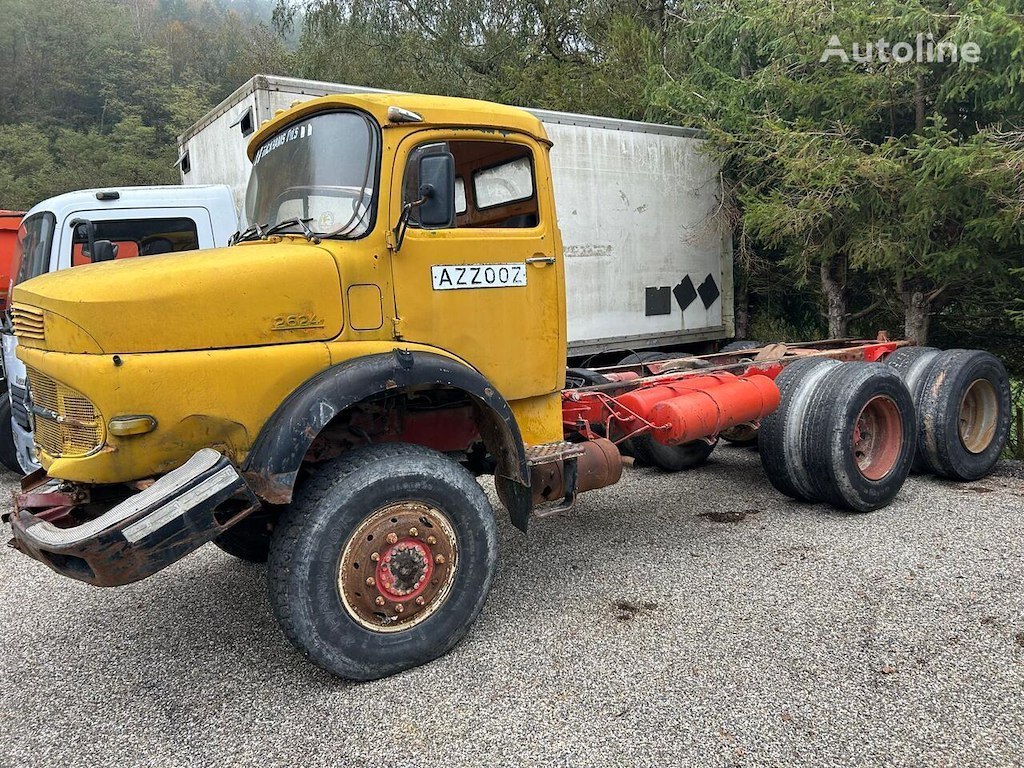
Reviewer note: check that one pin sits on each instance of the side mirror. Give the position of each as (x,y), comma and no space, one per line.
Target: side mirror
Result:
(437,190)
(102,250)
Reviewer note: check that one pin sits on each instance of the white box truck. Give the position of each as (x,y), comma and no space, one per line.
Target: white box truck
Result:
(91,225)
(648,258)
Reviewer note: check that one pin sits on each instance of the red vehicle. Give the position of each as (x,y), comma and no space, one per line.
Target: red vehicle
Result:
(9,223)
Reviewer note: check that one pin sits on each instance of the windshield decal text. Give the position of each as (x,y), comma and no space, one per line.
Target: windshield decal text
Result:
(301,131)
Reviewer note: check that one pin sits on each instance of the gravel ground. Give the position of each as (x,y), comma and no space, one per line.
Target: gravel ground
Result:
(643,629)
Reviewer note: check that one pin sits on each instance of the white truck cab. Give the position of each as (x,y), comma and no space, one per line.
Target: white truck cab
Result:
(67,230)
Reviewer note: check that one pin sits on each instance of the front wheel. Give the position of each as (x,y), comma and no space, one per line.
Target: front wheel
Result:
(383,560)
(8,450)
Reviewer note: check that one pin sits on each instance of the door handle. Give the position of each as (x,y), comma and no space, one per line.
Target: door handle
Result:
(541,259)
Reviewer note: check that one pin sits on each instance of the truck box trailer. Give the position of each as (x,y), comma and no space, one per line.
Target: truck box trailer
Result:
(648,259)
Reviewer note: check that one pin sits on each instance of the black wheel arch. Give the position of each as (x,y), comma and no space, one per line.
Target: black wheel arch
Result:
(273,463)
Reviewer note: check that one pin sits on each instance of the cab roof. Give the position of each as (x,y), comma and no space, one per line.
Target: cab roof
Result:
(84,200)
(435,111)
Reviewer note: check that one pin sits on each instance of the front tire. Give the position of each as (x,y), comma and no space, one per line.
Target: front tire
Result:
(383,561)
(8,450)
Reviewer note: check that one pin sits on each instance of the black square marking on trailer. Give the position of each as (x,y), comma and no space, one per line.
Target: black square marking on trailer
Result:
(659,301)
(709,292)
(685,293)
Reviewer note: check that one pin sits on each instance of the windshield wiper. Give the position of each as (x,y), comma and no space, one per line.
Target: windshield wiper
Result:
(308,233)
(256,232)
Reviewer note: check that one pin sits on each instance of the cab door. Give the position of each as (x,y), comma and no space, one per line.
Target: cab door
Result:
(490,288)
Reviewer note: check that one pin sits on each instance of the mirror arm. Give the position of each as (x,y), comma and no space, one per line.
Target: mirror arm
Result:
(403,221)
(90,234)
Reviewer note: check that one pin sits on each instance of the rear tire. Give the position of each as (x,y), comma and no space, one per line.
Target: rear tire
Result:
(741,346)
(913,364)
(8,450)
(317,571)
(671,458)
(858,436)
(779,440)
(638,358)
(965,414)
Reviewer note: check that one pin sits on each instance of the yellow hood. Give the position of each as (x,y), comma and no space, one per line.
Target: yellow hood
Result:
(251,294)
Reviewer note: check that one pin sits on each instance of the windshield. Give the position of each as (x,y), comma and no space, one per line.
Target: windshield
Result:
(322,169)
(32,256)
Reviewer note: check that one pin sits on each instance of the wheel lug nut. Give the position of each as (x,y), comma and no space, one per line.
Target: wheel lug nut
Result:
(431,540)
(413,532)
(369,581)
(375,557)
(399,608)
(439,559)
(379,600)
(420,600)
(392,538)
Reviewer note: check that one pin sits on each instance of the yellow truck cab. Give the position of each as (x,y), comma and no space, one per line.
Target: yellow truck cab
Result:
(365,305)
(321,394)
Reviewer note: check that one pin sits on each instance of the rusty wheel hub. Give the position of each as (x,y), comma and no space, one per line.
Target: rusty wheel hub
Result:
(877,437)
(978,416)
(398,566)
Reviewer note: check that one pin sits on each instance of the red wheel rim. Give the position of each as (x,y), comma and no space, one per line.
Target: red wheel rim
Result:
(877,437)
(398,566)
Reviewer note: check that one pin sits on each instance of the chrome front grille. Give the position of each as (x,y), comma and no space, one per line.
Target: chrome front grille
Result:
(28,322)
(66,422)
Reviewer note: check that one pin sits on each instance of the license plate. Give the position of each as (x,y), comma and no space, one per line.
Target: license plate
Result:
(452,277)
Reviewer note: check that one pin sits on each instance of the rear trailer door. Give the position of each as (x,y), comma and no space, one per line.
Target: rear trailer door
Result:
(647,260)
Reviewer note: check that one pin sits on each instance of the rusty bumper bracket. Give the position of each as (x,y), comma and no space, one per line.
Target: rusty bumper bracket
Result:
(146,532)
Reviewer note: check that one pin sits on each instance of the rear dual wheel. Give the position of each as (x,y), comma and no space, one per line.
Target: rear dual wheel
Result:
(963,403)
(843,434)
(858,438)
(671,458)
(962,399)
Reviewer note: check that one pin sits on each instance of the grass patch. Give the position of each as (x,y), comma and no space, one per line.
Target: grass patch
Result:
(1015,443)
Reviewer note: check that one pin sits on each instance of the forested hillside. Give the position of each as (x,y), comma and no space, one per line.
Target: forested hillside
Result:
(863,195)
(95,91)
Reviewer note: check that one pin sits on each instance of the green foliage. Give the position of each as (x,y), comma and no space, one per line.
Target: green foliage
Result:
(95,92)
(881,174)
(1015,441)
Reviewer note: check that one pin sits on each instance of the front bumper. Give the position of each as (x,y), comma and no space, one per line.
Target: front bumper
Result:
(144,533)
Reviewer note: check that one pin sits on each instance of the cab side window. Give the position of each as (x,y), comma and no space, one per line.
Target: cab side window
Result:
(494,183)
(137,237)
